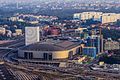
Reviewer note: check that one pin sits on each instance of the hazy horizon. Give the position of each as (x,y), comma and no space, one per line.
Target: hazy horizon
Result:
(28,1)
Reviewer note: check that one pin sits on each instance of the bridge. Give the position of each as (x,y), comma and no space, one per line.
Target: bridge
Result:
(5,48)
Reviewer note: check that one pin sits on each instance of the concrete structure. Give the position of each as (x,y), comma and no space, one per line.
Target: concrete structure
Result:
(50,50)
(87,15)
(90,51)
(97,16)
(31,35)
(109,17)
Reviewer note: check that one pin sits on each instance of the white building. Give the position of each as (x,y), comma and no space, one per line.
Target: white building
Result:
(98,16)
(31,35)
(2,30)
(18,31)
(87,15)
(109,17)
(76,15)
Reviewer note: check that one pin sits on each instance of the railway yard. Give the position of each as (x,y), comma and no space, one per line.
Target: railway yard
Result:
(30,71)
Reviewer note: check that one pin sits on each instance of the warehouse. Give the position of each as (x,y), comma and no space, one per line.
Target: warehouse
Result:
(49,50)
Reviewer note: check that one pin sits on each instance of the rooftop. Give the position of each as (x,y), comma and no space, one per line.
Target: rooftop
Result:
(51,46)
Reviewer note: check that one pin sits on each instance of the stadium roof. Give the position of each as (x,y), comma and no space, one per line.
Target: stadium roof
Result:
(51,46)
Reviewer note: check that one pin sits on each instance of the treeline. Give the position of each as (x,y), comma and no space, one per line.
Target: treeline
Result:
(20,25)
(117,23)
(114,34)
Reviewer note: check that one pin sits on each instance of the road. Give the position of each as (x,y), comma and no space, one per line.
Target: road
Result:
(74,70)
(13,44)
(2,53)
(7,73)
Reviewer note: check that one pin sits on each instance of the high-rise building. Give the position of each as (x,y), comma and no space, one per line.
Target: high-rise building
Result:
(109,17)
(97,16)
(95,41)
(87,15)
(31,35)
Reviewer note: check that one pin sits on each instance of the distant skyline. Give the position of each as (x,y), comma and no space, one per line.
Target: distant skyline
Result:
(27,1)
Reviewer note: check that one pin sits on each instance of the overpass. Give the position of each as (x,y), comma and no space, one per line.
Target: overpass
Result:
(5,48)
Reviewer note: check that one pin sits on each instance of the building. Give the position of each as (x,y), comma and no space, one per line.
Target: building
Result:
(53,31)
(97,16)
(111,45)
(18,31)
(9,33)
(49,50)
(95,41)
(2,30)
(14,18)
(32,35)
(76,16)
(109,17)
(89,51)
(88,15)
